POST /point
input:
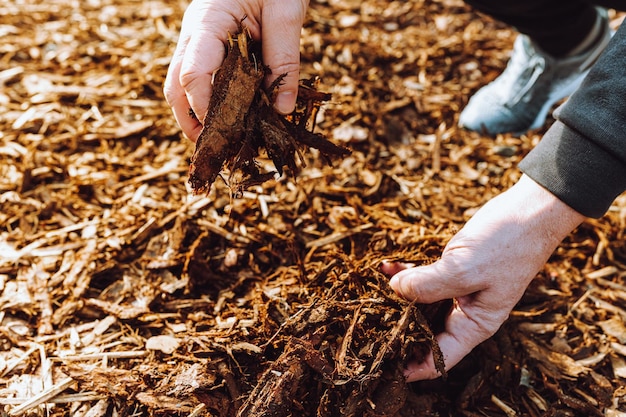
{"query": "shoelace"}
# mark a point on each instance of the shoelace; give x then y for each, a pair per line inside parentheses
(538, 65)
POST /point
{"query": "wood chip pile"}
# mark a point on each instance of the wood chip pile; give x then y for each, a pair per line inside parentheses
(122, 293)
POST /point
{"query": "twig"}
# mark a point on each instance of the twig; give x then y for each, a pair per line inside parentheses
(197, 411)
(167, 169)
(602, 272)
(42, 397)
(223, 232)
(79, 397)
(17, 361)
(337, 236)
(102, 355)
(502, 406)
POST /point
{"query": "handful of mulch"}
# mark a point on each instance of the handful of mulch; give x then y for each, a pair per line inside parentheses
(241, 121)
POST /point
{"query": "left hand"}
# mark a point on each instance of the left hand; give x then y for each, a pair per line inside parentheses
(486, 268)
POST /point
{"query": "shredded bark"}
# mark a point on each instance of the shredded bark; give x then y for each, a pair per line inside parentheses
(241, 121)
(122, 293)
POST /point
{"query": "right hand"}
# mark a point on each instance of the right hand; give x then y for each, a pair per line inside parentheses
(200, 52)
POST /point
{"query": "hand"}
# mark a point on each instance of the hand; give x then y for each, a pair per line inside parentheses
(200, 52)
(486, 268)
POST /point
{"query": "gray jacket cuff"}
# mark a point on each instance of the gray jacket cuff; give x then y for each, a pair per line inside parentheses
(576, 170)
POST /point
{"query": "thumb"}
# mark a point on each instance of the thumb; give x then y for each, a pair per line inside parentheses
(476, 315)
(282, 24)
(430, 283)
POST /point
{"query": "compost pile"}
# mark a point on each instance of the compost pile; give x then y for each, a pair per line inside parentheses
(125, 291)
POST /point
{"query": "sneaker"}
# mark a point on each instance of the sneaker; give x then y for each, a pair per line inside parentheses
(533, 81)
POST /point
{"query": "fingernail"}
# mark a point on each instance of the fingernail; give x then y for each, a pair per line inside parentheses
(285, 102)
(393, 282)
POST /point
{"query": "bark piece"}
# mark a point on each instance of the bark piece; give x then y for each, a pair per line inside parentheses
(241, 121)
(234, 89)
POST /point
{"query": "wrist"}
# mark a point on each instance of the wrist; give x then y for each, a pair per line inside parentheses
(546, 211)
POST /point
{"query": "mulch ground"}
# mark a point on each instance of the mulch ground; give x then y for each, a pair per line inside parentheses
(122, 293)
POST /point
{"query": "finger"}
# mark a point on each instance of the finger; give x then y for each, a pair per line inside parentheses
(418, 371)
(198, 54)
(203, 56)
(204, 34)
(282, 25)
(177, 100)
(391, 268)
(463, 333)
(431, 283)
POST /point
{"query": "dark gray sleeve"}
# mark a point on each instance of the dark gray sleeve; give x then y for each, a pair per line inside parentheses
(582, 158)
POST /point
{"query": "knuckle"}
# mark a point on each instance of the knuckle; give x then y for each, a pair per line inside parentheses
(461, 269)
(410, 287)
(294, 13)
(290, 68)
(188, 76)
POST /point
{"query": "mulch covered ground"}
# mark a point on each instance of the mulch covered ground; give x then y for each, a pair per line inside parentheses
(122, 293)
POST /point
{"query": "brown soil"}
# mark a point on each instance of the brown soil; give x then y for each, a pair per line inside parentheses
(123, 293)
